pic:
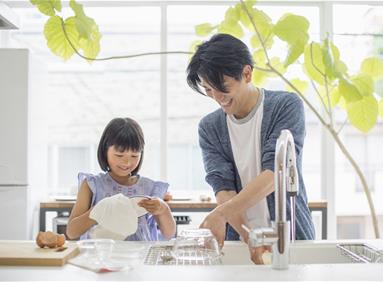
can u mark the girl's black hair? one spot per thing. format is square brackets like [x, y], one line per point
[222, 55]
[124, 134]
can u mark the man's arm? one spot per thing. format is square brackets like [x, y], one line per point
[235, 207]
[236, 219]
[257, 189]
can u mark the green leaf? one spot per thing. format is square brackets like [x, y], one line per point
[91, 46]
[243, 16]
[372, 67]
[231, 27]
[203, 29]
[256, 43]
[295, 50]
[263, 23]
[313, 63]
[56, 39]
[47, 7]
[334, 68]
[57, 5]
[261, 20]
[342, 103]
[278, 65]
[349, 91]
[329, 59]
[363, 113]
[333, 95]
[293, 29]
[381, 108]
[290, 28]
[232, 14]
[259, 77]
[341, 69]
[301, 85]
[259, 58]
[364, 83]
[84, 24]
[264, 27]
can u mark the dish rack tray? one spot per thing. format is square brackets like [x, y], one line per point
[162, 255]
[361, 253]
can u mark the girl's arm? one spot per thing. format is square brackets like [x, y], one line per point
[162, 214]
[79, 221]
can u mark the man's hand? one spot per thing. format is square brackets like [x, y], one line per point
[257, 254]
[236, 221]
[155, 206]
[216, 222]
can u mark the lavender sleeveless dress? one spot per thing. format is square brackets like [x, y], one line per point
[103, 185]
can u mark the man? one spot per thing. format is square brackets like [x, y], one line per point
[238, 140]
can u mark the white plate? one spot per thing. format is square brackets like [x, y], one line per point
[65, 197]
[140, 210]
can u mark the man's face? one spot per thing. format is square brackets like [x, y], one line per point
[233, 101]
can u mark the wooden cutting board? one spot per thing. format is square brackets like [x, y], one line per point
[13, 252]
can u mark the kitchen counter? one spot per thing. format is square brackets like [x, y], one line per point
[185, 205]
[229, 272]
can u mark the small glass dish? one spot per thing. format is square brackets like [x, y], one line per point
[96, 248]
[196, 245]
[97, 255]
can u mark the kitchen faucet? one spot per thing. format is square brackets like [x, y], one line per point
[286, 179]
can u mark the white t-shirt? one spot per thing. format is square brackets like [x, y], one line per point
[245, 138]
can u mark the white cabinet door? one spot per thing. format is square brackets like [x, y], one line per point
[14, 89]
[14, 213]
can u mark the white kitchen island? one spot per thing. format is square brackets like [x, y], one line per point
[236, 266]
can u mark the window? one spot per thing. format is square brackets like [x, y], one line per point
[72, 160]
[361, 29]
[82, 98]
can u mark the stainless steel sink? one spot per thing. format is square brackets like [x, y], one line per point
[317, 254]
[310, 253]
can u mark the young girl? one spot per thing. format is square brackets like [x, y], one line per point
[120, 154]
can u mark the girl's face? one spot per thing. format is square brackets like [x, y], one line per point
[122, 163]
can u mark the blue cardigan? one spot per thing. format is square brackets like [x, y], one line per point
[281, 110]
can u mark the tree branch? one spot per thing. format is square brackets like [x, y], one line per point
[320, 97]
[256, 30]
[118, 57]
[341, 127]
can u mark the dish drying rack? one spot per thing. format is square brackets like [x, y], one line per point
[163, 255]
[361, 253]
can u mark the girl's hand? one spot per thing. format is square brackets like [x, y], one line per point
[155, 206]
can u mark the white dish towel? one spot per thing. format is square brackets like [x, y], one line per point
[117, 218]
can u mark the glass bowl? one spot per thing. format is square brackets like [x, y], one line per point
[97, 248]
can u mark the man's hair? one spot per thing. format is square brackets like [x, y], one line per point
[124, 134]
[222, 55]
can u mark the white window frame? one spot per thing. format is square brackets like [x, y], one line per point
[327, 163]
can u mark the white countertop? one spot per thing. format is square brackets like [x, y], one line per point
[248, 272]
